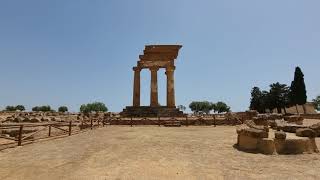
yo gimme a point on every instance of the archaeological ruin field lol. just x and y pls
(146, 152)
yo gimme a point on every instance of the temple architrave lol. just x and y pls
(154, 58)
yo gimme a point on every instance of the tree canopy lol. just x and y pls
(45, 108)
(316, 103)
(256, 101)
(279, 96)
(276, 97)
(199, 107)
(63, 109)
(221, 107)
(181, 107)
(15, 108)
(93, 107)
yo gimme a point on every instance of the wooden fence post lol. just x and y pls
(49, 134)
(159, 122)
(131, 121)
(214, 120)
(70, 123)
(98, 122)
(187, 121)
(91, 124)
(103, 122)
(20, 135)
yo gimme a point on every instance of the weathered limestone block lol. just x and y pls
(251, 132)
(286, 127)
(10, 119)
(294, 119)
(260, 121)
(275, 116)
(26, 119)
(266, 146)
(306, 132)
(253, 125)
(35, 120)
(280, 135)
(316, 128)
(252, 139)
(296, 146)
(45, 119)
(247, 143)
(18, 119)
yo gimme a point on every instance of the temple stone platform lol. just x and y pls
(147, 111)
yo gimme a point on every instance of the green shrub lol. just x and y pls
(63, 109)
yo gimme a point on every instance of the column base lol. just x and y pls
(147, 111)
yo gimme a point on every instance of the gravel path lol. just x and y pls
(151, 152)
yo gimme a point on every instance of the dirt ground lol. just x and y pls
(151, 152)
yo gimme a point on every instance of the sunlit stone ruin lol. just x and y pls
(154, 58)
(277, 134)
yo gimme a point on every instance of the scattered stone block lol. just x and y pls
(261, 121)
(280, 135)
(296, 146)
(286, 127)
(316, 129)
(294, 119)
(306, 132)
(266, 146)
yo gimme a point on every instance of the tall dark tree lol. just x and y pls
(256, 100)
(266, 101)
(278, 95)
(298, 93)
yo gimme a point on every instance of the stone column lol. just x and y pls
(154, 87)
(136, 87)
(170, 87)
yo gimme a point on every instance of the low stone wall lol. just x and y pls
(190, 122)
(247, 115)
(311, 116)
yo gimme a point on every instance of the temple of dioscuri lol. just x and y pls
(154, 58)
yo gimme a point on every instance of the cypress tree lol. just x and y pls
(298, 93)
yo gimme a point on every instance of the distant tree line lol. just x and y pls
(280, 96)
(15, 108)
(86, 108)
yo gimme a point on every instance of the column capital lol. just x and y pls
(136, 69)
(170, 68)
(154, 68)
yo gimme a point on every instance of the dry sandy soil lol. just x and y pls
(151, 152)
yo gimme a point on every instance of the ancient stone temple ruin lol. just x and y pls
(154, 58)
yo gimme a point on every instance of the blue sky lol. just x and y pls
(78, 51)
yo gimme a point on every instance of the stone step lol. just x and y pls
(172, 124)
(147, 111)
